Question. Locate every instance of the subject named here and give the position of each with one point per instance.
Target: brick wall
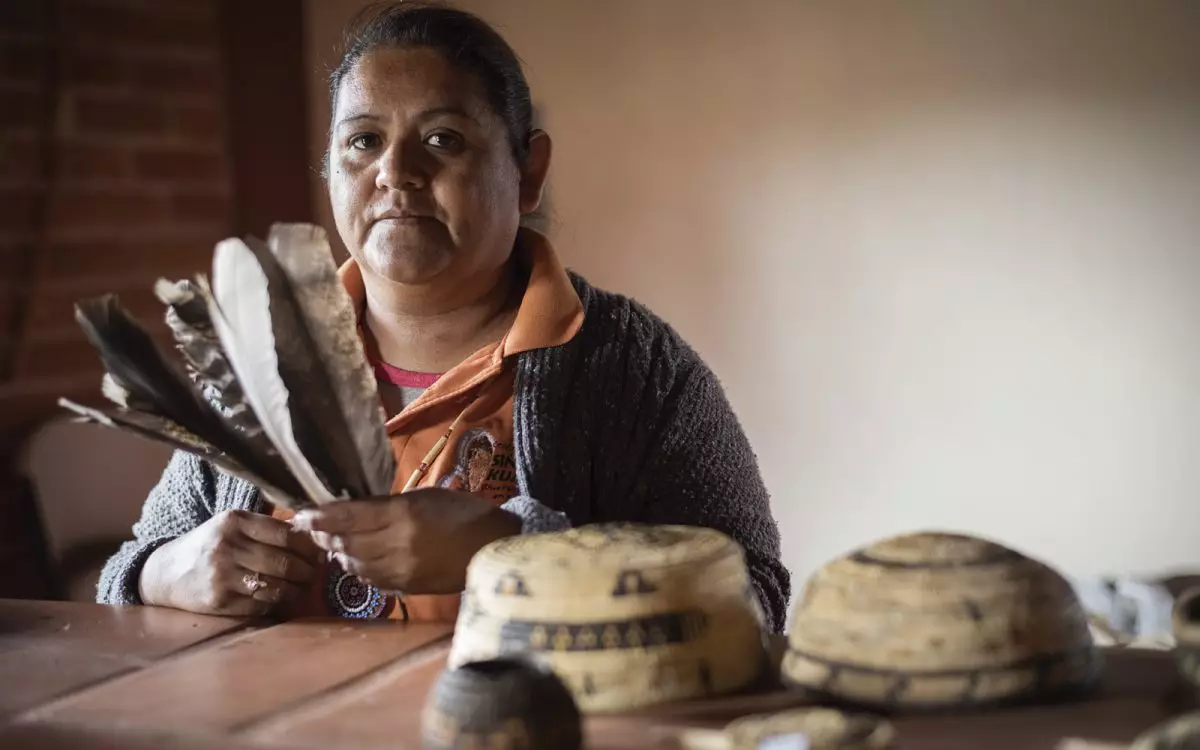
(115, 169)
(133, 136)
(115, 172)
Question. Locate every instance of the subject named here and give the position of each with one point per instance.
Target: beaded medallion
(347, 595)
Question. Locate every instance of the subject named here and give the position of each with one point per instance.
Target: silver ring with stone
(253, 581)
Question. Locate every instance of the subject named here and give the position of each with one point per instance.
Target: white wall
(945, 256)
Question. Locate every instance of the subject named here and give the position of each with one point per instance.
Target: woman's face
(422, 178)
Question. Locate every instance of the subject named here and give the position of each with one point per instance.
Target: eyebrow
(447, 110)
(425, 115)
(357, 118)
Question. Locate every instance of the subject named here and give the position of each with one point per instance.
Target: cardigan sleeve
(536, 518)
(702, 472)
(182, 500)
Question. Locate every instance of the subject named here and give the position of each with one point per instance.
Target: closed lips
(403, 217)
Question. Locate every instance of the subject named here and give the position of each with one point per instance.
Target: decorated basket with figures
(627, 615)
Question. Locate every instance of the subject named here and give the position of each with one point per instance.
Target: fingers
(231, 596)
(264, 529)
(301, 542)
(328, 542)
(244, 606)
(272, 561)
(271, 531)
(365, 570)
(349, 516)
(268, 589)
(367, 546)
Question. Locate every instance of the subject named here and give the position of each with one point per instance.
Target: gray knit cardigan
(623, 423)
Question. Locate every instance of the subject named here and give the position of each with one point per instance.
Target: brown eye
(364, 141)
(444, 141)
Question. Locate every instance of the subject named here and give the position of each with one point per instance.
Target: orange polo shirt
(479, 456)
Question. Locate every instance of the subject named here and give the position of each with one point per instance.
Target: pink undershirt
(405, 378)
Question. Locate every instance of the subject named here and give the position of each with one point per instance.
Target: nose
(400, 168)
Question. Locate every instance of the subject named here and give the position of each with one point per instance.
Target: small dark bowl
(509, 702)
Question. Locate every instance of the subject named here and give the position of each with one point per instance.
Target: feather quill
(162, 430)
(243, 316)
(142, 379)
(328, 315)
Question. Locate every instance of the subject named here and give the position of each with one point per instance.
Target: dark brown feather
(162, 430)
(138, 366)
(332, 321)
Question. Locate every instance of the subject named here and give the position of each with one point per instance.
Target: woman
(566, 404)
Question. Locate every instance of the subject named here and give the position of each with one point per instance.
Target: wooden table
(90, 677)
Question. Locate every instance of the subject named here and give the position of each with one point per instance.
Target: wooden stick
(434, 452)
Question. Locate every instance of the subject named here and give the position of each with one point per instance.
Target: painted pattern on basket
(666, 629)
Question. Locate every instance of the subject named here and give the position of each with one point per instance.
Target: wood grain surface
(57, 737)
(100, 678)
(49, 649)
(243, 680)
(1139, 690)
(381, 711)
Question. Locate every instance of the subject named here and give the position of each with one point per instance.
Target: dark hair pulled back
(467, 43)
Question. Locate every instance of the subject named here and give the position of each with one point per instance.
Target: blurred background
(944, 256)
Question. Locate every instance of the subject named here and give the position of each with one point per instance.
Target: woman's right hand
(208, 569)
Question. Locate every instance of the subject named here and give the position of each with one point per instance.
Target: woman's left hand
(418, 542)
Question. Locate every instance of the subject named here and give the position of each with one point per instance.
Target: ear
(537, 168)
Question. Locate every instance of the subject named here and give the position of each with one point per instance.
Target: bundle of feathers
(269, 380)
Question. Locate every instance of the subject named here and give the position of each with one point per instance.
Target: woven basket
(627, 615)
(934, 620)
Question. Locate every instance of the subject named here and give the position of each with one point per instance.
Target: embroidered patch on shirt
(483, 466)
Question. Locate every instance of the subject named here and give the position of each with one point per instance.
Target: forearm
(152, 580)
(180, 502)
(120, 579)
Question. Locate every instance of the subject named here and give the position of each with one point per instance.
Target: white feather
(242, 319)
